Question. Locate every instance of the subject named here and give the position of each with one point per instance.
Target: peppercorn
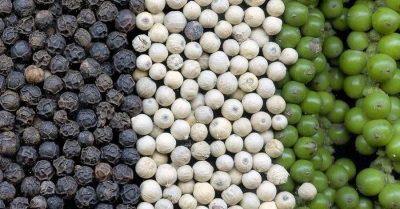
(132, 105)
(104, 206)
(55, 44)
(48, 130)
(9, 143)
(38, 202)
(82, 37)
(9, 100)
(43, 170)
(103, 172)
(71, 149)
(98, 30)
(104, 82)
(63, 166)
(15, 80)
(6, 65)
(90, 68)
(30, 186)
(53, 84)
(11, 20)
(83, 175)
(89, 95)
(90, 155)
(125, 21)
(26, 25)
(69, 129)
(7, 121)
(14, 173)
(43, 18)
(130, 156)
(31, 136)
(125, 83)
(41, 58)
(120, 121)
(85, 197)
(193, 30)
(86, 18)
(73, 80)
(107, 191)
(3, 84)
(47, 188)
(99, 51)
(7, 191)
(116, 40)
(58, 64)
(103, 135)
(48, 150)
(26, 155)
(37, 39)
(24, 8)
(124, 61)
(111, 153)
(86, 138)
(55, 202)
(107, 11)
(5, 7)
(25, 115)
(10, 35)
(21, 50)
(130, 194)
(74, 53)
(114, 97)
(60, 117)
(66, 187)
(30, 94)
(68, 101)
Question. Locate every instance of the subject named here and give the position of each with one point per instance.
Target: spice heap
(206, 71)
(67, 97)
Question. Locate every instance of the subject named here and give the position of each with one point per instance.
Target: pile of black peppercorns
(67, 97)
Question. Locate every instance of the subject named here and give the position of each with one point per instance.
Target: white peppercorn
(158, 33)
(198, 132)
(158, 52)
(145, 87)
(276, 104)
(156, 131)
(208, 18)
(165, 143)
(189, 89)
(203, 171)
(154, 6)
(223, 29)
(166, 175)
(207, 80)
(204, 114)
(164, 118)
(285, 200)
(174, 62)
(266, 88)
(248, 82)
(259, 36)
(307, 191)
(266, 191)
(186, 187)
(180, 129)
(276, 71)
(261, 162)
(251, 179)
(220, 6)
(232, 195)
(192, 10)
(193, 50)
(145, 205)
(235, 2)
(268, 205)
(173, 79)
(252, 103)
(250, 201)
(254, 16)
(232, 109)
(163, 204)
(235, 207)
(203, 3)
(144, 21)
(241, 32)
(219, 62)
(272, 25)
(227, 83)
(254, 3)
(242, 127)
(210, 42)
(176, 4)
(277, 174)
(187, 201)
(138, 74)
(175, 21)
(288, 56)
(253, 142)
(203, 192)
(236, 176)
(275, 8)
(158, 17)
(249, 49)
(180, 156)
(150, 191)
(141, 43)
(175, 43)
(238, 94)
(234, 15)
(234, 143)
(172, 193)
(142, 124)
(267, 135)
(191, 69)
(279, 122)
(150, 106)
(238, 65)
(159, 158)
(224, 163)
(144, 62)
(231, 47)
(217, 148)
(260, 121)
(220, 128)
(157, 71)
(258, 66)
(271, 51)
(218, 203)
(198, 101)
(146, 145)
(243, 161)
(165, 96)
(203, 61)
(191, 119)
(274, 148)
(220, 180)
(185, 173)
(200, 150)
(214, 99)
(146, 167)
(181, 108)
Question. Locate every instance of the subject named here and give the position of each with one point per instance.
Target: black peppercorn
(120, 121)
(53, 84)
(46, 108)
(107, 191)
(103, 172)
(48, 130)
(4, 162)
(69, 130)
(14, 173)
(37, 39)
(72, 4)
(86, 119)
(48, 150)
(30, 94)
(68, 101)
(26, 25)
(23, 8)
(10, 35)
(104, 82)
(124, 61)
(30, 186)
(21, 50)
(130, 156)
(98, 30)
(19, 203)
(107, 68)
(34, 74)
(103, 135)
(105, 111)
(132, 105)
(41, 58)
(6, 65)
(55, 44)
(66, 187)
(127, 138)
(104, 206)
(99, 51)
(7, 191)
(7, 120)
(5, 7)
(27, 155)
(90, 155)
(60, 117)
(47, 188)
(55, 202)
(43, 18)
(73, 80)
(125, 21)
(9, 143)
(25, 115)
(85, 197)
(111, 153)
(125, 83)
(90, 68)
(117, 40)
(11, 20)
(130, 194)
(71, 149)
(82, 37)
(107, 12)
(31, 136)
(89, 94)
(74, 53)
(43, 170)
(114, 97)
(136, 6)
(38, 202)
(86, 18)
(63, 166)
(83, 175)
(15, 80)
(58, 64)
(86, 138)
(67, 25)
(122, 174)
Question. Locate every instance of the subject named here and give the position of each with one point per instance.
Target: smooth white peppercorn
(223, 29)
(150, 191)
(253, 142)
(174, 62)
(210, 42)
(150, 106)
(279, 122)
(185, 173)
(192, 10)
(165, 96)
(242, 127)
(155, 6)
(249, 49)
(203, 171)
(193, 50)
(276, 71)
(271, 51)
(164, 118)
(181, 108)
(186, 187)
(201, 207)
(227, 83)
(277, 174)
(166, 175)
(252, 103)
(258, 66)
(157, 71)
(241, 32)
(268, 205)
(274, 148)
(238, 94)
(224, 163)
(236, 176)
(254, 3)
(180, 129)
(203, 192)
(266, 88)
(220, 6)
(238, 65)
(158, 52)
(145, 205)
(175, 21)
(187, 201)
(172, 193)
(198, 132)
(243, 161)
(307, 191)
(142, 124)
(234, 15)
(189, 89)
(232, 195)
(191, 119)
(146, 145)
(203, 60)
(276, 104)
(144, 62)
(165, 143)
(220, 128)
(250, 201)
(234, 143)
(180, 156)
(260, 121)
(248, 82)
(200, 150)
(267, 135)
(141, 43)
(158, 17)
(259, 36)
(208, 18)
(176, 4)
(163, 204)
(289, 56)
(261, 162)
(156, 131)
(207, 80)
(199, 100)
(232, 109)
(144, 21)
(220, 180)
(231, 47)
(235, 2)
(158, 33)
(191, 69)
(146, 87)
(146, 167)
(173, 79)
(254, 16)
(214, 99)
(204, 114)
(218, 203)
(175, 43)
(203, 3)
(217, 148)
(272, 25)
(138, 74)
(275, 8)
(266, 191)
(219, 62)
(285, 200)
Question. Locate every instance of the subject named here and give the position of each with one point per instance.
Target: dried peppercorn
(21, 50)
(7, 191)
(41, 58)
(74, 53)
(103, 135)
(107, 11)
(63, 166)
(111, 153)
(86, 138)
(48, 130)
(104, 206)
(25, 115)
(69, 130)
(73, 80)
(66, 187)
(132, 105)
(55, 202)
(67, 25)
(27, 155)
(98, 30)
(20, 203)
(124, 61)
(38, 202)
(60, 117)
(83, 175)
(130, 194)
(104, 112)
(68, 101)
(103, 172)
(72, 4)
(90, 155)
(31, 136)
(107, 191)
(9, 100)
(24, 8)
(86, 18)
(114, 97)
(53, 84)
(4, 162)
(47, 188)
(116, 40)
(193, 30)
(11, 20)
(7, 120)
(89, 94)
(15, 80)
(86, 119)
(122, 174)
(48, 150)
(6, 65)
(104, 82)
(14, 173)
(71, 149)
(130, 156)
(30, 186)
(46, 107)
(127, 138)
(82, 37)
(120, 121)
(99, 51)
(9, 143)
(43, 170)
(34, 74)
(125, 83)
(26, 25)
(5, 7)
(37, 39)
(58, 64)
(43, 18)
(10, 35)
(85, 197)
(125, 21)
(137, 6)
(107, 68)
(55, 44)
(90, 68)
(30, 94)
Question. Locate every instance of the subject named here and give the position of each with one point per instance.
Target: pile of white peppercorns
(206, 74)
